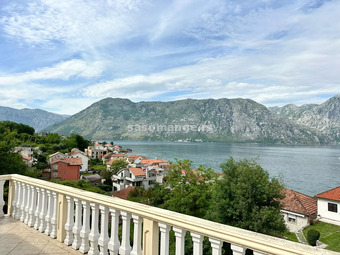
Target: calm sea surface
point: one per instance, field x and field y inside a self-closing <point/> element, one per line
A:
<point x="307" y="169"/>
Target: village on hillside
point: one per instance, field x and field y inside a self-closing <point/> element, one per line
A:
<point x="138" y="171"/>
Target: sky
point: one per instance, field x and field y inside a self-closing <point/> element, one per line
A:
<point x="62" y="56"/>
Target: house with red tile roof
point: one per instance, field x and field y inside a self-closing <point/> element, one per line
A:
<point x="56" y="155"/>
<point x="298" y="210"/>
<point x="329" y="205"/>
<point x="66" y="168"/>
<point x="76" y="153"/>
<point x="27" y="160"/>
<point x="134" y="176"/>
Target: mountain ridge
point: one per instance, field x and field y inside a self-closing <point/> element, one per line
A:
<point x="219" y="120"/>
<point x="36" y="118"/>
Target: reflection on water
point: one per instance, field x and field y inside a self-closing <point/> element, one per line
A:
<point x="307" y="169"/>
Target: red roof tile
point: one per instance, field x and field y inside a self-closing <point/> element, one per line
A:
<point x="137" y="171"/>
<point x="299" y="203"/>
<point x="55" y="154"/>
<point x="333" y="194"/>
<point x="124" y="194"/>
<point x="70" y="161"/>
<point x="26" y="157"/>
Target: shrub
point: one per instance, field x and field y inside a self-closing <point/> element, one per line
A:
<point x="312" y="236"/>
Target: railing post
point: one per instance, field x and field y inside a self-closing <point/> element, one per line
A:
<point x="77" y="224"/>
<point x="37" y="209"/>
<point x="53" y="233"/>
<point x="137" y="235"/>
<point x="42" y="214"/>
<point x="114" y="240"/>
<point x="14" y="202"/>
<point x="150" y="237"/>
<point x="94" y="233"/>
<point x="164" y="229"/>
<point x="104" y="236"/>
<point x="28" y="203"/>
<point x="216" y="246"/>
<point x="11" y="198"/>
<point x="23" y="202"/>
<point x="2" y="201"/>
<point x="84" y="233"/>
<point x="49" y="213"/>
<point x="61" y="217"/>
<point x="180" y="238"/>
<point x="31" y="211"/>
<point x="197" y="243"/>
<point x="125" y="247"/>
<point x="69" y="223"/>
<point x="237" y="250"/>
<point x="19" y="200"/>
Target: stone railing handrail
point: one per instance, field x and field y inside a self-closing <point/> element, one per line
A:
<point x="260" y="243"/>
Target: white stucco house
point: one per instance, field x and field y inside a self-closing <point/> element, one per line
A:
<point x="76" y="153"/>
<point x="134" y="176"/>
<point x="329" y="205"/>
<point x="298" y="210"/>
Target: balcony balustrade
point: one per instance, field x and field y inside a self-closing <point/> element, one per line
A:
<point x="81" y="220"/>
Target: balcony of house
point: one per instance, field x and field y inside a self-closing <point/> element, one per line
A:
<point x="79" y="221"/>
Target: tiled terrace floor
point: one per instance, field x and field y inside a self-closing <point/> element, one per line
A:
<point x="16" y="238"/>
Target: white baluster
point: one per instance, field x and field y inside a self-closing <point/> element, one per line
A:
<point x="37" y="210"/>
<point x="164" y="229"/>
<point x="104" y="235"/>
<point x="180" y="237"/>
<point x="114" y="243"/>
<point x="125" y="247"/>
<point x="77" y="224"/>
<point x="14" y="202"/>
<point x="94" y="233"/>
<point x="23" y="202"/>
<point x="237" y="250"/>
<point x="84" y="233"/>
<point x="42" y="214"/>
<point x="216" y="246"/>
<point x="31" y="211"/>
<point x="69" y="222"/>
<point x="19" y="201"/>
<point x="197" y="243"/>
<point x="137" y="235"/>
<point x="49" y="213"/>
<point x="2" y="201"/>
<point x="28" y="203"/>
<point x="53" y="233"/>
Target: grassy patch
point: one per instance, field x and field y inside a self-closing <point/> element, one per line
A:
<point x="98" y="167"/>
<point x="86" y="174"/>
<point x="329" y="234"/>
<point x="290" y="236"/>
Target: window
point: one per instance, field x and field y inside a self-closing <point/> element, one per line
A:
<point x="292" y="219"/>
<point x="332" y="207"/>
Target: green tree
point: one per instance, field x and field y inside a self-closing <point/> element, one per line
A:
<point x="118" y="165"/>
<point x="187" y="191"/>
<point x="248" y="198"/>
<point x="10" y="162"/>
<point x="105" y="174"/>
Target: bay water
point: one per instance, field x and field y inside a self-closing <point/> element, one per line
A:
<point x="306" y="169"/>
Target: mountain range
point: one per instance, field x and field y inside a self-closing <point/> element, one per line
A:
<point x="219" y="120"/>
<point x="36" y="118"/>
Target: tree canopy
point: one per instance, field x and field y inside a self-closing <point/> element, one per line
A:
<point x="248" y="198"/>
<point x="118" y="165"/>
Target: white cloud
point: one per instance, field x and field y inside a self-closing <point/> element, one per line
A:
<point x="274" y="52"/>
<point x="64" y="70"/>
